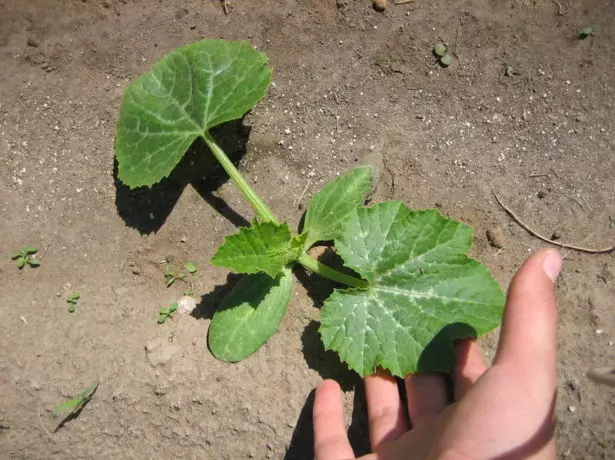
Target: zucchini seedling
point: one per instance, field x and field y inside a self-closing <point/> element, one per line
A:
<point x="413" y="290"/>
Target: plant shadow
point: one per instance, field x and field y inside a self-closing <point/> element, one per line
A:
<point x="210" y="302"/>
<point x="301" y="446"/>
<point x="318" y="287"/>
<point x="147" y="209"/>
<point x="439" y="354"/>
<point x="326" y="362"/>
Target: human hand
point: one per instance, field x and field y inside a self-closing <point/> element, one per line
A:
<point x="502" y="412"/>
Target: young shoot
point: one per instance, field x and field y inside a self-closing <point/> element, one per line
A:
<point x="408" y="289"/>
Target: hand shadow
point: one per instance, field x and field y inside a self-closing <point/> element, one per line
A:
<point x="301" y="446"/>
<point x="147" y="209"/>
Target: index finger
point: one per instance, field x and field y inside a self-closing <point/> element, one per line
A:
<point x="330" y="439"/>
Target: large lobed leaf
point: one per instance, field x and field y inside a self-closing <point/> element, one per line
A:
<point x="424" y="292"/>
<point x="249" y="315"/>
<point x="193" y="89"/>
<point x="262" y="247"/>
<point x="328" y="210"/>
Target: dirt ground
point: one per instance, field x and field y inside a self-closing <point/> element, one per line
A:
<point x="527" y="110"/>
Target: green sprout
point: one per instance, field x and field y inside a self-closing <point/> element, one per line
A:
<point x="26" y="255"/>
<point x="191" y="267"/>
<point x="441" y="49"/>
<point x="586" y="32"/>
<point x="171" y="276"/>
<point x="166" y="313"/>
<point x="72" y="301"/>
<point x="72" y="407"/>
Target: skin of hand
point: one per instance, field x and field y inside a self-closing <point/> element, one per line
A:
<point x="501" y="412"/>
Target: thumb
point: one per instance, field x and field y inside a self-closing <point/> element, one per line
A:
<point x="528" y="339"/>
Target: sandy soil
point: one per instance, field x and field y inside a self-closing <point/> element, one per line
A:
<point x="526" y="110"/>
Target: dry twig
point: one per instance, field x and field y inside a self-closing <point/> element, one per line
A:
<point x="544" y="238"/>
<point x="455" y="53"/>
<point x="303" y="193"/>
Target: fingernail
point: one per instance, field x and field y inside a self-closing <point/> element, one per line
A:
<point x="552" y="264"/>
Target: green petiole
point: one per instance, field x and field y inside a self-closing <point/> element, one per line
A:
<point x="266" y="215"/>
<point x="261" y="208"/>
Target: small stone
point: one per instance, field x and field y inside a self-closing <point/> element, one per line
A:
<point x="572" y="409"/>
<point x="556" y="235"/>
<point x="599" y="331"/>
<point x="580" y="118"/>
<point x="541" y="194"/>
<point x="33" y="42"/>
<point x="186" y="305"/>
<point x="136" y="270"/>
<point x="380" y="5"/>
<point x="183" y="239"/>
<point x="495" y="237"/>
<point x="162" y="389"/>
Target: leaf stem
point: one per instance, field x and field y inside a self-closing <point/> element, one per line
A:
<point x="257" y="203"/>
<point x="266" y="215"/>
<point x="323" y="270"/>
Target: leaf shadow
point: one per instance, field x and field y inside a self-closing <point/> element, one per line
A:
<point x="209" y="303"/>
<point x="147" y="209"/>
<point x="301" y="445"/>
<point x="318" y="287"/>
<point x="439" y="354"/>
<point x="326" y="362"/>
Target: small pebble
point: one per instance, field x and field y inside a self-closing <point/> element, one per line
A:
<point x="33" y="42"/>
<point x="186" y="305"/>
<point x="556" y="235"/>
<point x="572" y="409"/>
<point x="495" y="237"/>
<point x="380" y="5"/>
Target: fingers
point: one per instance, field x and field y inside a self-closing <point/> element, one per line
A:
<point x="385" y="412"/>
<point x="469" y="366"/>
<point x="528" y="339"/>
<point x="426" y="397"/>
<point x="330" y="439"/>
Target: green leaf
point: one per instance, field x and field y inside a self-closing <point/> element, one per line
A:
<point x="74" y="405"/>
<point x="71" y="307"/>
<point x="30" y="250"/>
<point x="189" y="91"/>
<point x="21" y="262"/>
<point x="191" y="267"/>
<point x="586" y="32"/>
<point x="164" y="311"/>
<point x="173" y="308"/>
<point x="249" y="315"/>
<point x="162" y="318"/>
<point x="16" y="255"/>
<point x="262" y="247"/>
<point x="446" y="60"/>
<point x="33" y="261"/>
<point x="424" y="292"/>
<point x="440" y="49"/>
<point x="329" y="208"/>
